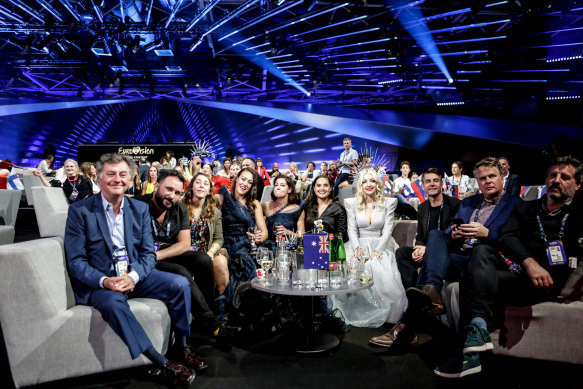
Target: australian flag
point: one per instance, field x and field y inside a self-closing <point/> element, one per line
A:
<point x="316" y="251"/>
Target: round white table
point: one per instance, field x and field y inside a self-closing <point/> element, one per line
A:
<point x="316" y="342"/>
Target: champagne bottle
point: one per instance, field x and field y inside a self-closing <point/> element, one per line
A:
<point x="331" y="252"/>
<point x="300" y="252"/>
<point x="341" y="250"/>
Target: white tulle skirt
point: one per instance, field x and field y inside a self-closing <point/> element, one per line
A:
<point x="385" y="301"/>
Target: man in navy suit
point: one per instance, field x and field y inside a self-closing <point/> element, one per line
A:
<point x="479" y="219"/>
<point x="110" y="257"/>
<point x="511" y="181"/>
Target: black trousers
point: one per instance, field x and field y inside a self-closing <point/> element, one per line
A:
<point x="197" y="267"/>
<point x="488" y="286"/>
<point x="407" y="266"/>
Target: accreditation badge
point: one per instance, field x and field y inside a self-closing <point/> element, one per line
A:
<point x="74" y="195"/>
<point x="556" y="253"/>
<point x="122" y="266"/>
<point x="156" y="246"/>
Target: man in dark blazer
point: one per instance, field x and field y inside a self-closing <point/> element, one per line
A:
<point x="477" y="221"/>
<point x="511" y="181"/>
<point x="434" y="213"/>
<point x="110" y="258"/>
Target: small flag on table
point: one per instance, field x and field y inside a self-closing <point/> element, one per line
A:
<point x="316" y="251"/>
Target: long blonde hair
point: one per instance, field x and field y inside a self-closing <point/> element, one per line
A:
<point x="380" y="198"/>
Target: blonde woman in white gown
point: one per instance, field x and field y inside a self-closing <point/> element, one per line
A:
<point x="370" y="225"/>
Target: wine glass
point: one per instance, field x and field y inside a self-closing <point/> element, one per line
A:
<point x="253" y="232"/>
<point x="275" y="228"/>
<point x="265" y="259"/>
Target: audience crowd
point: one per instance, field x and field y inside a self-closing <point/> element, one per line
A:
<point x="197" y="224"/>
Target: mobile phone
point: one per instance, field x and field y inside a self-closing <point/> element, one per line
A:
<point x="457" y="221"/>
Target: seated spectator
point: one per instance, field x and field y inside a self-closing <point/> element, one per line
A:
<point x="153" y="174"/>
<point x="171" y="159"/>
<point x="305" y="180"/>
<point x="216" y="165"/>
<point x="88" y="170"/>
<point x="193" y="168"/>
<point x="322" y="212"/>
<point x="323" y="168"/>
<point x="282" y="213"/>
<point x="76" y="186"/>
<point x="135" y="185"/>
<point x="144" y="167"/>
<point x="478" y="221"/>
<point x="224" y="171"/>
<point x="262" y="172"/>
<point x="535" y="227"/>
<point x="240" y="211"/>
<point x="233" y="173"/>
<point x="165" y="162"/>
<point x="293" y="172"/>
<point x="174" y="253"/>
<point x="332" y="172"/>
<point x="458" y="184"/>
<point x="511" y="181"/>
<point x="96" y="240"/>
<point x="274" y="172"/>
<point x="249" y="163"/>
<point x="370" y="225"/>
<point x="44" y="166"/>
<point x="434" y="214"/>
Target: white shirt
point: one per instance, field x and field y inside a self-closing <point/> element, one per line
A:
<point x="43" y="168"/>
<point x="348" y="157"/>
<point x="401" y="182"/>
<point x="116" y="229"/>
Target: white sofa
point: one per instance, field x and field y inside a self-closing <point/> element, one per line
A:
<point x="48" y="337"/>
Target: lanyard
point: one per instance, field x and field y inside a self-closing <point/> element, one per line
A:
<point x="542" y="230"/>
<point x="155" y="229"/>
<point x="438" y="218"/>
<point x="72" y="182"/>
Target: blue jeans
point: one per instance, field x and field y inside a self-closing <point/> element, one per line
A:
<point x="341" y="178"/>
<point x="439" y="262"/>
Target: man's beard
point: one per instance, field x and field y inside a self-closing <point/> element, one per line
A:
<point x="159" y="200"/>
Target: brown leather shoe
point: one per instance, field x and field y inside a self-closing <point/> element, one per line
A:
<point x="427" y="299"/>
<point x="190" y="359"/>
<point x="399" y="334"/>
<point x="178" y="375"/>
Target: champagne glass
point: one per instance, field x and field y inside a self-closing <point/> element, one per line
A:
<point x="253" y="232"/>
<point x="266" y="262"/>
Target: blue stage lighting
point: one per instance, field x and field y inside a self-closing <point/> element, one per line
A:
<point x="201" y="14"/>
<point x="420" y="32"/>
<point x="331" y="25"/>
<point x="472" y="40"/>
<point x="497" y="3"/>
<point x="356" y="44"/>
<point x="468" y="26"/>
<point x="341" y="35"/>
<point x="260" y="19"/>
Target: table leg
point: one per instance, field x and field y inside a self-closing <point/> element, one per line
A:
<point x="314" y="341"/>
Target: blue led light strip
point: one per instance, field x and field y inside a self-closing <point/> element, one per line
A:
<point x="287" y="24"/>
<point x="261" y="18"/>
<point x="472" y="40"/>
<point x="331" y="25"/>
<point x="468" y="26"/>
<point x="341" y="35"/>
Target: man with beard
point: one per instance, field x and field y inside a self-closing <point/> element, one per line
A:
<point x="541" y="236"/>
<point x="476" y="223"/>
<point x="171" y="232"/>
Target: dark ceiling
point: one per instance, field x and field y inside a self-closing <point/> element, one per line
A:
<point x="516" y="58"/>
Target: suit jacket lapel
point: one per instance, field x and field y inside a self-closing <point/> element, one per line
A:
<point x="102" y="221"/>
<point x="497" y="210"/>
